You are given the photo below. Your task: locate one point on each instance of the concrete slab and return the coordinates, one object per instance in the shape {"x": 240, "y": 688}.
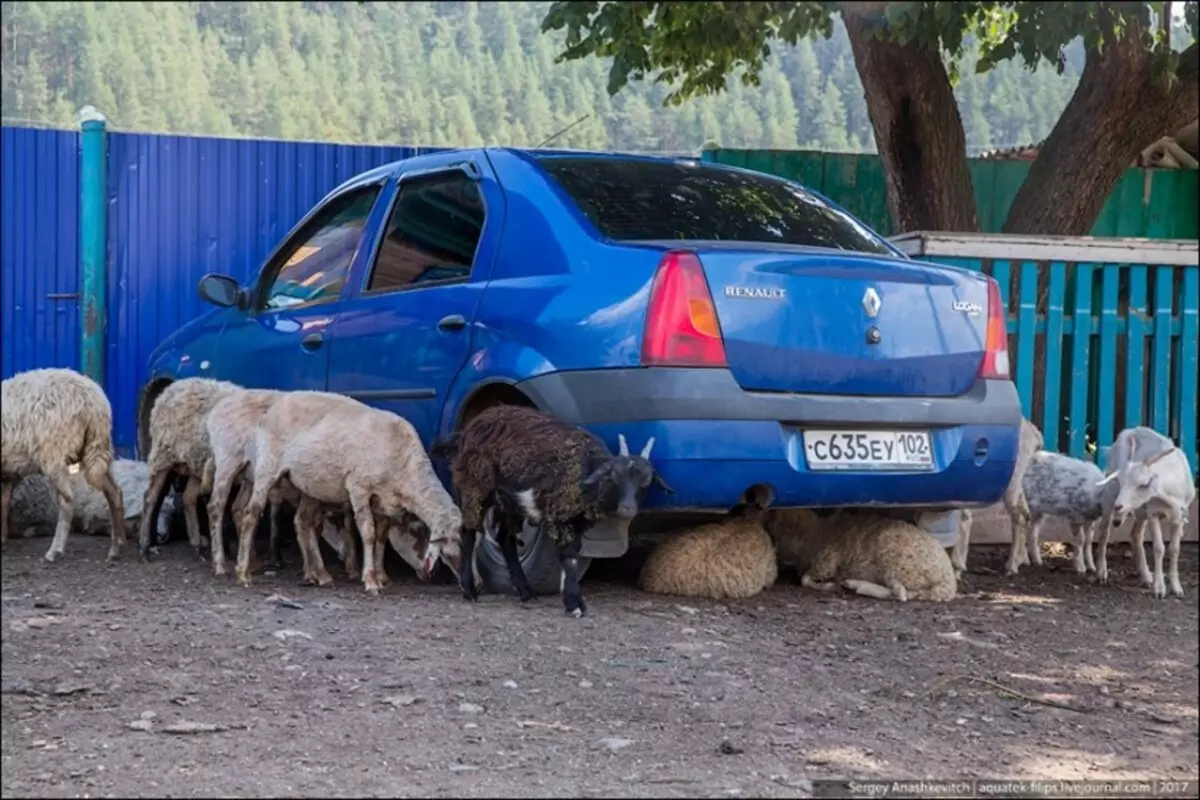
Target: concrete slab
{"x": 992, "y": 527}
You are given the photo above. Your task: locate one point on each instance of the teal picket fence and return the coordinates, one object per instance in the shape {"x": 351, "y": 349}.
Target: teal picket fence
{"x": 1104, "y": 332}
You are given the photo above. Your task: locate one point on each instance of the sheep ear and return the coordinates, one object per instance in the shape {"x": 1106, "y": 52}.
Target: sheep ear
{"x": 646, "y": 450}
{"x": 624, "y": 446}
{"x": 658, "y": 481}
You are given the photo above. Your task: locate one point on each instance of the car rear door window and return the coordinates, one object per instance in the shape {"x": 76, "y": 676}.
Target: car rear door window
{"x": 314, "y": 266}
{"x": 644, "y": 200}
{"x": 432, "y": 234}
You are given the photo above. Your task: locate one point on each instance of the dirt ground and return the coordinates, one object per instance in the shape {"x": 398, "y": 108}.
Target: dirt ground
{"x": 418, "y": 693}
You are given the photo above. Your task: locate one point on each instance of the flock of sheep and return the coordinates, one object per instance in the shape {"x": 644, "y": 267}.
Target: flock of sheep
{"x": 356, "y": 475}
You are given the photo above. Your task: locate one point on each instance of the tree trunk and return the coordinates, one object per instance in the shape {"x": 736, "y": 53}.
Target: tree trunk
{"x": 1117, "y": 110}
{"x": 917, "y": 127}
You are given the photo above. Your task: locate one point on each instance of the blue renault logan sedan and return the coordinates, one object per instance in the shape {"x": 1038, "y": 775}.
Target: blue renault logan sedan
{"x": 770, "y": 343}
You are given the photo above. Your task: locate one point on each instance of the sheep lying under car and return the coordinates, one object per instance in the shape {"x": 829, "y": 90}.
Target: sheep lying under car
{"x": 873, "y": 556}
{"x": 1150, "y": 479}
{"x": 730, "y": 559}
{"x": 179, "y": 446}
{"x": 336, "y": 451}
{"x": 539, "y": 468}
{"x": 51, "y": 420}
{"x": 35, "y": 502}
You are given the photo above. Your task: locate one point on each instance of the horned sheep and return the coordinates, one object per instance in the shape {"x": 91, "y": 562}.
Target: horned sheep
{"x": 35, "y": 502}
{"x": 51, "y": 420}
{"x": 179, "y": 446}
{"x": 1150, "y": 479}
{"x": 335, "y": 451}
{"x": 533, "y": 466}
{"x": 730, "y": 559}
{"x": 873, "y": 556}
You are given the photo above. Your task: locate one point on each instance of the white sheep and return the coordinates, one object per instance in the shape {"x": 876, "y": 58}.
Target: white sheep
{"x": 730, "y": 558}
{"x": 230, "y": 427}
{"x": 409, "y": 539}
{"x": 1015, "y": 504}
{"x": 873, "y": 556}
{"x": 335, "y": 451}
{"x": 1057, "y": 485}
{"x": 52, "y": 419}
{"x": 179, "y": 446}
{"x": 1150, "y": 479}
{"x": 35, "y": 502}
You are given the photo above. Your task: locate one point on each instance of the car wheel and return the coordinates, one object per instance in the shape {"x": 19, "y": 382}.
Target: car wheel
{"x": 539, "y": 559}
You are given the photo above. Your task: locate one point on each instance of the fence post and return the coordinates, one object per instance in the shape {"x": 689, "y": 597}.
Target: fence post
{"x": 93, "y": 240}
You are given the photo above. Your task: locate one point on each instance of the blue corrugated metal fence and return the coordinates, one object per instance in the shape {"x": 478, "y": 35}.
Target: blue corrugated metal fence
{"x": 181, "y": 206}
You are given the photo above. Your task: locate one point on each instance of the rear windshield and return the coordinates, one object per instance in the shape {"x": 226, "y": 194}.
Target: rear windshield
{"x": 634, "y": 199}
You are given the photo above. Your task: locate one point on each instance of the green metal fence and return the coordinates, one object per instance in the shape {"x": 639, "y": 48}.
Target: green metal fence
{"x": 1105, "y": 332}
{"x": 1151, "y": 203}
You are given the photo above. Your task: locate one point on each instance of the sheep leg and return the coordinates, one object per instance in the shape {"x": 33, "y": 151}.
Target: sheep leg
{"x": 6, "y": 493}
{"x": 1089, "y": 530}
{"x": 1160, "y": 586}
{"x": 507, "y": 536}
{"x": 1137, "y": 542}
{"x": 1082, "y": 547}
{"x": 365, "y": 517}
{"x": 274, "y": 559}
{"x": 308, "y": 515}
{"x": 466, "y": 575}
{"x": 869, "y": 589}
{"x": 381, "y": 525}
{"x": 1106, "y": 527}
{"x": 1176, "y": 538}
{"x": 222, "y": 482}
{"x": 191, "y": 500}
{"x": 1018, "y": 514}
{"x": 61, "y": 481}
{"x": 958, "y": 556}
{"x": 1035, "y": 539}
{"x": 568, "y": 559}
{"x": 116, "y": 510}
{"x": 156, "y": 492}
{"x": 350, "y": 541}
{"x": 808, "y": 582}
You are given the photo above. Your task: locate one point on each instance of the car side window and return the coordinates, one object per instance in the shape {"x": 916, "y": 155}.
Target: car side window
{"x": 432, "y": 234}
{"x": 314, "y": 268}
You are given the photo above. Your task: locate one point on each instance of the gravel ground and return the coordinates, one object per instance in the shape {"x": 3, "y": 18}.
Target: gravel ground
{"x": 159, "y": 680}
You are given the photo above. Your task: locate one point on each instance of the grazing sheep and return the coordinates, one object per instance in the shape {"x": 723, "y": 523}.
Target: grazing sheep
{"x": 35, "y": 502}
{"x": 179, "y": 445}
{"x": 1149, "y": 478}
{"x": 873, "y": 556}
{"x": 1060, "y": 486}
{"x": 52, "y": 419}
{"x": 336, "y": 451}
{"x": 731, "y": 558}
{"x": 1015, "y": 504}
{"x": 230, "y": 427}
{"x": 539, "y": 468}
{"x": 410, "y": 539}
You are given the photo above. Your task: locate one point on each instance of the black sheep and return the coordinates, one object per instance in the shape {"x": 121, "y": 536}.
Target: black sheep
{"x": 525, "y": 463}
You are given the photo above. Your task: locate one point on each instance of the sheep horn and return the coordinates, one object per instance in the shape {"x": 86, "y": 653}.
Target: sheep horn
{"x": 624, "y": 445}
{"x": 1160, "y": 454}
{"x": 1107, "y": 478}
{"x": 647, "y": 448}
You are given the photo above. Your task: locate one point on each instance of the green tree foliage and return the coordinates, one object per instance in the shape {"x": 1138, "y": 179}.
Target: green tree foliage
{"x": 445, "y": 73}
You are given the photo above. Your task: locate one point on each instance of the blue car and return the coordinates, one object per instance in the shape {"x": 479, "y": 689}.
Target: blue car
{"x": 772, "y": 345}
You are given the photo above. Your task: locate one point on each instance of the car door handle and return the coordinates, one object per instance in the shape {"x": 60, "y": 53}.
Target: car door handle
{"x": 453, "y": 322}
{"x": 312, "y": 342}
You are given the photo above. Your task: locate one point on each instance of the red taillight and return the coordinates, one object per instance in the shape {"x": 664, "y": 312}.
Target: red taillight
{"x": 995, "y": 356}
{"x": 681, "y": 322}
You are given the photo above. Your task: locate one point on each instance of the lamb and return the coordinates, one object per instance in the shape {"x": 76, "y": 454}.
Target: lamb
{"x": 873, "y": 556}
{"x": 1149, "y": 478}
{"x": 335, "y": 451}
{"x": 534, "y": 466}
{"x": 732, "y": 558}
{"x": 1015, "y": 503}
{"x": 51, "y": 419}
{"x": 35, "y": 502}
{"x": 179, "y": 445}
{"x": 230, "y": 427}
{"x": 409, "y": 539}
{"x": 1061, "y": 486}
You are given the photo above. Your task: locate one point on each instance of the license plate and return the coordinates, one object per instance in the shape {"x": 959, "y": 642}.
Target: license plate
{"x": 868, "y": 450}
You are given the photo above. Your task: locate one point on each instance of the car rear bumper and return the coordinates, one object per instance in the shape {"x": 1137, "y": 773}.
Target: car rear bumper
{"x": 713, "y": 440}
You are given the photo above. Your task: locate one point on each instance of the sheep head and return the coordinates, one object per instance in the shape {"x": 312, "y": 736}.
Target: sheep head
{"x": 616, "y": 484}
{"x": 1139, "y": 483}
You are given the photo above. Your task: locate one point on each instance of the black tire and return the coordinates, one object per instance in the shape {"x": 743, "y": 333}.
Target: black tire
{"x": 539, "y": 560}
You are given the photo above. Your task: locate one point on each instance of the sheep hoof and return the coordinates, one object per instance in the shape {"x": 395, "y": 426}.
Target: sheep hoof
{"x": 146, "y": 554}
{"x": 1176, "y": 589}
{"x": 219, "y": 570}
{"x": 52, "y": 555}
{"x": 274, "y": 565}
{"x": 243, "y": 578}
